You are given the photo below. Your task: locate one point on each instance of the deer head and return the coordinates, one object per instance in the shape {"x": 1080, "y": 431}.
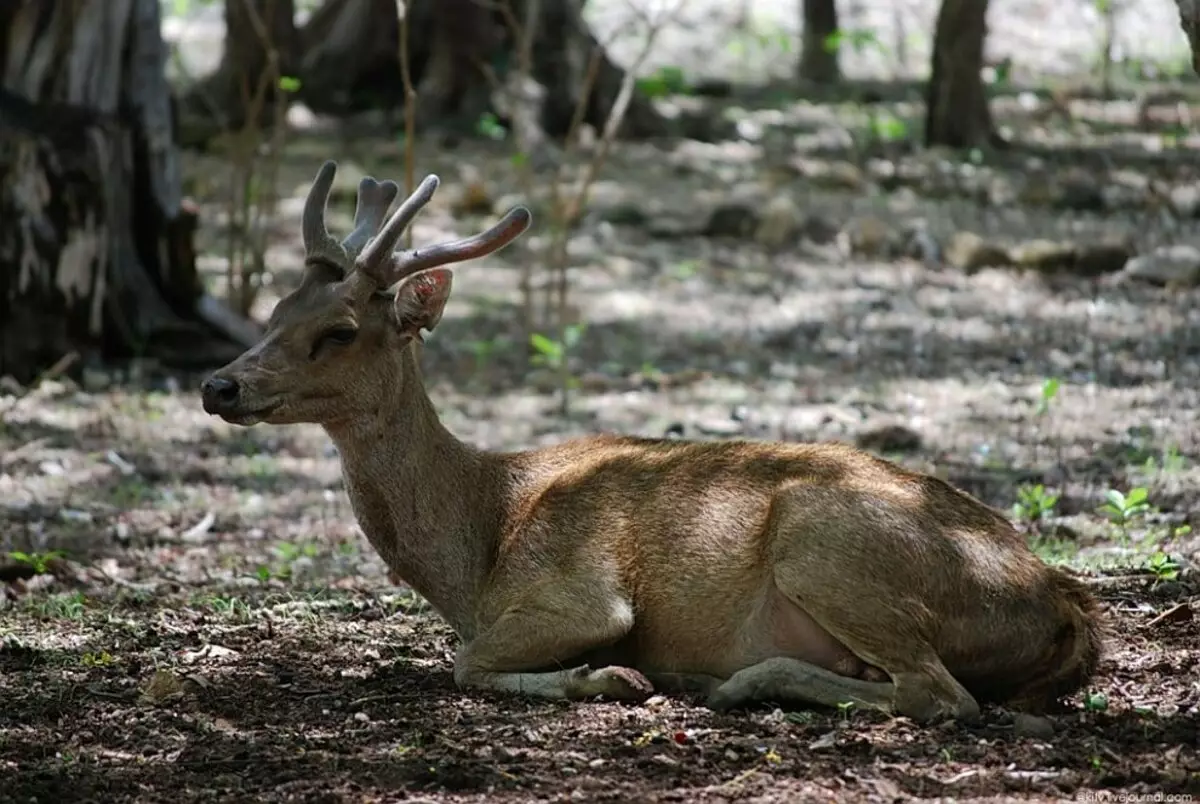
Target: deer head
{"x": 330, "y": 347}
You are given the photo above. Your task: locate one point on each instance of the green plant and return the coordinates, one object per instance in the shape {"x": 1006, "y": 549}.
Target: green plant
{"x": 1121, "y": 509}
{"x": 1163, "y": 567}
{"x": 1050, "y": 388}
{"x": 39, "y": 562}
{"x": 1034, "y": 503}
{"x": 1171, "y": 461}
{"x": 662, "y": 82}
{"x": 101, "y": 659}
{"x": 66, "y": 606}
{"x": 556, "y": 354}
{"x": 845, "y": 708}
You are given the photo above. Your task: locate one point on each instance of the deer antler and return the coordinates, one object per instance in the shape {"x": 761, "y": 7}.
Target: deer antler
{"x": 378, "y": 261}
{"x": 319, "y": 244}
{"x": 374, "y": 198}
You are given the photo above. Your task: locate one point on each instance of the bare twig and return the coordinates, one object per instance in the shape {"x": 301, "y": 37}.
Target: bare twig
{"x": 410, "y": 116}
{"x": 569, "y": 212}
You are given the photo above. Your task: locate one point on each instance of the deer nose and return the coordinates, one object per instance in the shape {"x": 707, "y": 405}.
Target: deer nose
{"x": 218, "y": 394}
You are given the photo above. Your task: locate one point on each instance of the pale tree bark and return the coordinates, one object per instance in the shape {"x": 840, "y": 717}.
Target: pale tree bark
{"x": 957, "y": 113}
{"x": 818, "y": 63}
{"x": 1189, "y": 20}
{"x": 96, "y": 252}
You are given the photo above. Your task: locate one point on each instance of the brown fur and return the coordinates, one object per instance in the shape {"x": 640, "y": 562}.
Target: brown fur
{"x": 610, "y": 564}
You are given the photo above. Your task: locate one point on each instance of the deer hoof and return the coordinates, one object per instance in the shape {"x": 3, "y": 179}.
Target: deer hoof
{"x": 620, "y": 684}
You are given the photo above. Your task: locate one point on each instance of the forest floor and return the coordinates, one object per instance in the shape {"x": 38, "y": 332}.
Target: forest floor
{"x": 214, "y": 627}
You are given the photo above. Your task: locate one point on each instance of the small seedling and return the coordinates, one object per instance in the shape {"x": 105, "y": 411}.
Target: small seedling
{"x": 846, "y": 707}
{"x": 1095, "y": 702}
{"x": 1034, "y": 503}
{"x": 1163, "y": 567}
{"x": 101, "y": 659}
{"x": 39, "y": 562}
{"x": 1121, "y": 509}
{"x": 1049, "y": 391}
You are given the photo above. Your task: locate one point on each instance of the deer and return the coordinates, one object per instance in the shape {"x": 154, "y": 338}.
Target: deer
{"x": 616, "y": 567}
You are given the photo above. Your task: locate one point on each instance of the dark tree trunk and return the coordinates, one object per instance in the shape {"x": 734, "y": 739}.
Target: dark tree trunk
{"x": 957, "y": 113}
{"x": 818, "y": 63}
{"x": 1189, "y": 20}
{"x": 261, "y": 46}
{"x": 459, "y": 50}
{"x": 96, "y": 248}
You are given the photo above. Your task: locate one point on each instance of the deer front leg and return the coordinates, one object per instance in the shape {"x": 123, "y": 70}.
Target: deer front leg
{"x": 508, "y": 656}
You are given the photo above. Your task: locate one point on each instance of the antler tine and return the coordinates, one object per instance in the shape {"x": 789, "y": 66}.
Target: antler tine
{"x": 319, "y": 244}
{"x": 374, "y": 198}
{"x": 509, "y": 228}
{"x": 374, "y": 258}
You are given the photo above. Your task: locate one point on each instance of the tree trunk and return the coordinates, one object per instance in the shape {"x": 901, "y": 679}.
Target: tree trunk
{"x": 957, "y": 113}
{"x": 96, "y": 253}
{"x": 460, "y": 52}
{"x": 819, "y": 63}
{"x": 261, "y": 47}
{"x": 1189, "y": 20}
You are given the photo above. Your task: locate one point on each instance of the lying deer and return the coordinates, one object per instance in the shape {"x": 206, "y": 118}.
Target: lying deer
{"x": 611, "y": 565}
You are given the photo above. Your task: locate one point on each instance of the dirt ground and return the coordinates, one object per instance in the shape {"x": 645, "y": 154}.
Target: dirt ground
{"x": 214, "y": 627}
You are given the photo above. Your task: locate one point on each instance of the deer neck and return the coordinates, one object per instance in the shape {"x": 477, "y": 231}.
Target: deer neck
{"x": 427, "y": 502}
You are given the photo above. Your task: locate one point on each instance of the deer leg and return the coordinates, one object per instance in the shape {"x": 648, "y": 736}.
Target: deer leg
{"x": 785, "y": 679}
{"x": 508, "y": 655}
{"x": 889, "y": 638}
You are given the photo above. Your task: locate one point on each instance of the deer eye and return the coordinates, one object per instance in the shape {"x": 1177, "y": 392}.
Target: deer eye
{"x": 338, "y": 336}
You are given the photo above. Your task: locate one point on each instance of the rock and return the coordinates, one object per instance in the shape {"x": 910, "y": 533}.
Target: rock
{"x": 1044, "y": 255}
{"x": 818, "y": 229}
{"x": 889, "y": 438}
{"x": 1079, "y": 190}
{"x": 920, "y": 244}
{"x": 720, "y": 428}
{"x": 969, "y": 252}
{"x": 1102, "y": 258}
{"x": 1185, "y": 200}
{"x": 732, "y": 218}
{"x": 1177, "y": 265}
{"x": 1026, "y": 725}
{"x": 623, "y": 213}
{"x": 780, "y": 222}
{"x": 868, "y": 236}
{"x": 835, "y": 175}
{"x": 472, "y": 198}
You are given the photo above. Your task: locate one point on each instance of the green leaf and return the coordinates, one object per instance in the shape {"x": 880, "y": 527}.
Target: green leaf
{"x": 1136, "y": 496}
{"x": 549, "y": 348}
{"x": 289, "y": 83}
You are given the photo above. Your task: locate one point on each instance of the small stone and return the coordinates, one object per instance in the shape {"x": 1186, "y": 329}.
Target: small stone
{"x": 472, "y": 198}
{"x": 362, "y": 717}
{"x": 868, "y": 236}
{"x": 890, "y": 438}
{"x": 969, "y": 252}
{"x": 732, "y": 219}
{"x": 1102, "y": 258}
{"x": 780, "y": 222}
{"x": 1035, "y": 726}
{"x": 1044, "y": 255}
{"x": 1177, "y": 265}
{"x": 1185, "y": 200}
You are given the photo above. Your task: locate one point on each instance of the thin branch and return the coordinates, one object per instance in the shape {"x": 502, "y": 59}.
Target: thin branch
{"x": 410, "y": 115}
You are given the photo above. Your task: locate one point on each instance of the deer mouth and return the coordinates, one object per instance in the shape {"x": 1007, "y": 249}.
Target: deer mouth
{"x": 246, "y": 418}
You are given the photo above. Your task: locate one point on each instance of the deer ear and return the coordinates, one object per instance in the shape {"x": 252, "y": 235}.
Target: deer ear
{"x": 420, "y": 300}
